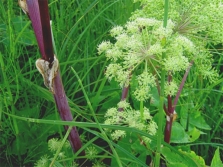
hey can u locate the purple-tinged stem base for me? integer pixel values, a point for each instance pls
(65, 113)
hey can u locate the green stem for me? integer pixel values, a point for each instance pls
(165, 19)
(141, 110)
(161, 112)
(160, 122)
(61, 145)
(141, 102)
(103, 134)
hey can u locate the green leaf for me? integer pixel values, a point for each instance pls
(197, 120)
(182, 158)
(178, 134)
(177, 165)
(130, 144)
(125, 143)
(216, 161)
(155, 100)
(138, 147)
(25, 35)
(195, 158)
(170, 156)
(194, 134)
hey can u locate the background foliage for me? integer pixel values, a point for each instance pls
(78, 28)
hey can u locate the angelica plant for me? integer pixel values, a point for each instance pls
(147, 49)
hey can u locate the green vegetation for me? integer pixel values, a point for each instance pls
(88, 45)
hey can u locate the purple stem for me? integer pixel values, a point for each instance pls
(65, 113)
(169, 117)
(39, 15)
(171, 106)
(181, 86)
(125, 91)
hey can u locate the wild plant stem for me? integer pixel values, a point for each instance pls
(96, 120)
(161, 104)
(61, 146)
(171, 107)
(141, 110)
(39, 15)
(181, 85)
(160, 122)
(65, 113)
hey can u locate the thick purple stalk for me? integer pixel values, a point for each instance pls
(171, 106)
(65, 113)
(169, 117)
(169, 120)
(39, 15)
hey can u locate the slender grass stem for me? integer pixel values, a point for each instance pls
(161, 113)
(96, 120)
(141, 110)
(61, 145)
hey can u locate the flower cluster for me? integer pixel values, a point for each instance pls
(171, 88)
(138, 49)
(131, 118)
(196, 25)
(53, 145)
(145, 82)
(91, 152)
(142, 41)
(144, 49)
(43, 162)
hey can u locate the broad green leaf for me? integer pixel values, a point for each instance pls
(197, 120)
(194, 134)
(138, 147)
(25, 36)
(170, 156)
(184, 116)
(155, 100)
(216, 161)
(177, 165)
(182, 158)
(178, 134)
(195, 158)
(126, 144)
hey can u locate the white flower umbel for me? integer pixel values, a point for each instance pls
(170, 88)
(129, 117)
(145, 82)
(138, 50)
